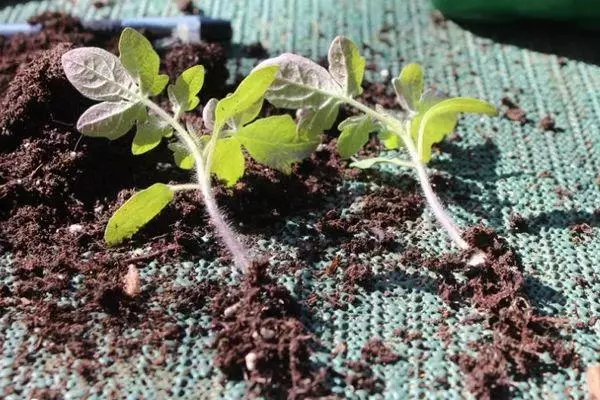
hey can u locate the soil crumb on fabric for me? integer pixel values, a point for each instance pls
(547, 123)
(377, 352)
(260, 338)
(514, 112)
(362, 377)
(520, 334)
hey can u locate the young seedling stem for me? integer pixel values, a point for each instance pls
(203, 185)
(403, 131)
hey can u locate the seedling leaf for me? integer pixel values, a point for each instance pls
(346, 65)
(303, 84)
(182, 157)
(228, 160)
(208, 114)
(247, 116)
(438, 121)
(250, 91)
(99, 75)
(109, 119)
(273, 141)
(409, 86)
(141, 61)
(355, 134)
(390, 140)
(300, 83)
(149, 135)
(136, 212)
(184, 93)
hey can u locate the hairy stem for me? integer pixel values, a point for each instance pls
(433, 201)
(217, 218)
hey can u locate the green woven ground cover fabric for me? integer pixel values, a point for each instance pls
(499, 179)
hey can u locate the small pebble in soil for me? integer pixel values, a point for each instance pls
(131, 282)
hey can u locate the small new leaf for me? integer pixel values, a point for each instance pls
(228, 160)
(99, 75)
(208, 114)
(184, 93)
(409, 86)
(149, 134)
(141, 61)
(140, 209)
(273, 141)
(354, 135)
(390, 140)
(183, 158)
(109, 119)
(248, 93)
(346, 65)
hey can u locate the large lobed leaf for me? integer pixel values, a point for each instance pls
(109, 119)
(99, 75)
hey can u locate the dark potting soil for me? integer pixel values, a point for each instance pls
(260, 338)
(520, 335)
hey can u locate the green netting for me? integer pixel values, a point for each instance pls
(498, 179)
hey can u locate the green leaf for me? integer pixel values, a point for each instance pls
(248, 115)
(409, 86)
(99, 75)
(184, 93)
(248, 93)
(273, 141)
(228, 160)
(370, 162)
(438, 121)
(183, 158)
(149, 135)
(160, 82)
(313, 123)
(355, 134)
(140, 209)
(346, 65)
(390, 140)
(141, 61)
(304, 85)
(109, 119)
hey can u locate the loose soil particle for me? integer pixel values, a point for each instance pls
(514, 112)
(377, 352)
(519, 334)
(547, 123)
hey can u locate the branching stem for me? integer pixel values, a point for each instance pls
(204, 186)
(403, 131)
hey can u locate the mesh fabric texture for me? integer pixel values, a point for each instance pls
(561, 79)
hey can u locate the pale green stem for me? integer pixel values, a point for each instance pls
(184, 187)
(203, 178)
(404, 133)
